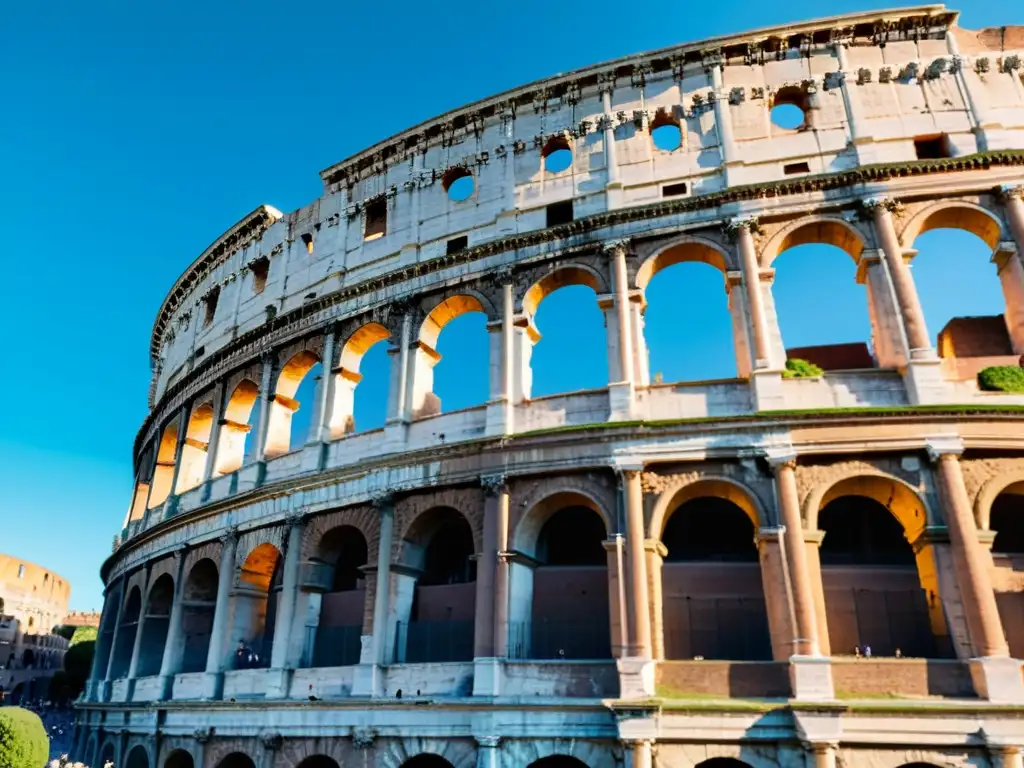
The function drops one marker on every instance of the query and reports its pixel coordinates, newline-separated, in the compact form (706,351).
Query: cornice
(867,174)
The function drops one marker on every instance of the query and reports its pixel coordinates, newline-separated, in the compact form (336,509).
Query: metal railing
(417,642)
(550,639)
(337,646)
(724,628)
(889,622)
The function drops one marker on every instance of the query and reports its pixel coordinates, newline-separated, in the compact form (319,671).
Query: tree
(84,635)
(23,739)
(77,665)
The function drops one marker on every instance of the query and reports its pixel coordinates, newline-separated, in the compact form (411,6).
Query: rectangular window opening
(933,147)
(260,272)
(560,213)
(307,239)
(457,244)
(210,303)
(376,218)
(793,168)
(671,190)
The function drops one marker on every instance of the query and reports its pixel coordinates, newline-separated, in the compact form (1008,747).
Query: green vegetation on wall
(1002,378)
(801,369)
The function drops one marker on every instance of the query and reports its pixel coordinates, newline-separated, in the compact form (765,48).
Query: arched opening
(163,470)
(339,559)
(199,601)
(155,625)
(820,259)
(713,604)
(557,154)
(104,638)
(234,444)
(255,607)
(1006,519)
(439,545)
(137,758)
(570,292)
(458,183)
(789,108)
(125,640)
(193,450)
(179,758)
(558,761)
(451,364)
(979,322)
(318,761)
(690,340)
(722,762)
(107,754)
(427,761)
(874,603)
(560,602)
(355,405)
(236,760)
(296,388)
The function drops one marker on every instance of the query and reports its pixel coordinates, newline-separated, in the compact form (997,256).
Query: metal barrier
(337,646)
(724,628)
(890,623)
(548,639)
(417,642)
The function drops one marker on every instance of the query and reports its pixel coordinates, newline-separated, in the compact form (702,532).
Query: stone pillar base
(166,688)
(636,677)
(998,679)
(129,691)
(621,401)
(213,685)
(104,691)
(395,433)
(811,678)
(279,683)
(487,677)
(499,419)
(368,681)
(923,378)
(766,387)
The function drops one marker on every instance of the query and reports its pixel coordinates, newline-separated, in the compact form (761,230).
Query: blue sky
(135,133)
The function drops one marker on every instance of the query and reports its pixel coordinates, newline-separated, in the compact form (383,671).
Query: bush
(23,739)
(801,369)
(1002,378)
(83,635)
(77,666)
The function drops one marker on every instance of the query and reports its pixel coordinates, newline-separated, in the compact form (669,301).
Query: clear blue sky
(135,133)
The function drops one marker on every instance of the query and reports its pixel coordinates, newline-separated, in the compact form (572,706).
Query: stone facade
(527,582)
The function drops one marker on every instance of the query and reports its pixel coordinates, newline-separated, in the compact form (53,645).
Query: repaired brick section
(723,679)
(901,678)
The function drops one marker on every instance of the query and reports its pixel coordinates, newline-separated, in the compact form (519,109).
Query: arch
(284,405)
(717,486)
(125,642)
(236,760)
(234,431)
(163,470)
(347,376)
(254,607)
(722,762)
(180,758)
(427,760)
(828,230)
(709,529)
(107,753)
(155,625)
(194,448)
(954,214)
(992,488)
(341,552)
(138,757)
(359,343)
(199,600)
(560,277)
(860,531)
(318,761)
(558,761)
(447,310)
(687,248)
(891,492)
(527,532)
(1007,521)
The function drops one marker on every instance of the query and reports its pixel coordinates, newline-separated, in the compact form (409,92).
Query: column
(202,737)
(1011,265)
(740,322)
(280,655)
(499,409)
(175,646)
(225,579)
(397,393)
(1013,202)
(501,574)
(620,387)
(487,566)
(487,754)
(1005,756)
(318,424)
(133,665)
(215,430)
(976,590)
(111,611)
(656,552)
(903,283)
(824,754)
(640,751)
(723,118)
(183,420)
(270,743)
(381,601)
(263,414)
(887,336)
(854,114)
(806,641)
(641,360)
(613,185)
(117,629)
(639,604)
(965,81)
(741,229)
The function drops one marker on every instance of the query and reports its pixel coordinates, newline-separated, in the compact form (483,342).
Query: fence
(417,642)
(547,639)
(732,628)
(337,646)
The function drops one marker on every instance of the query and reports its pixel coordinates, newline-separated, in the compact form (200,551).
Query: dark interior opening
(1006,518)
(931,147)
(572,536)
(860,531)
(709,529)
(448,557)
(559,213)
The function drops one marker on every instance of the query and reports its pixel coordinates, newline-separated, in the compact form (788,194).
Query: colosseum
(770,570)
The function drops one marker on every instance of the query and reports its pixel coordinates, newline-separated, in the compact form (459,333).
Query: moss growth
(801,369)
(1002,378)
(23,739)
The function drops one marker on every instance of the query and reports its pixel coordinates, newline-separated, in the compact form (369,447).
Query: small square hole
(671,190)
(260,271)
(307,240)
(931,147)
(793,168)
(559,213)
(457,244)
(210,305)
(376,218)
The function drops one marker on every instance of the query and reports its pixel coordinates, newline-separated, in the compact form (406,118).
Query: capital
(489,742)
(1011,191)
(297,518)
(494,484)
(944,448)
(738,223)
(875,204)
(363,738)
(202,735)
(617,247)
(382,500)
(271,740)
(778,458)
(230,535)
